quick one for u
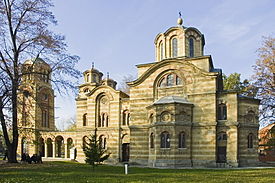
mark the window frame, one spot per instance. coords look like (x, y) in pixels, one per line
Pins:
(161, 51)
(170, 80)
(84, 119)
(250, 141)
(165, 140)
(191, 47)
(174, 45)
(152, 140)
(222, 111)
(182, 140)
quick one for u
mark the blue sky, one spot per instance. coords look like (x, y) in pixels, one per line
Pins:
(119, 34)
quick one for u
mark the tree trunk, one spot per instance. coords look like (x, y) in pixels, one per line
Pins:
(12, 153)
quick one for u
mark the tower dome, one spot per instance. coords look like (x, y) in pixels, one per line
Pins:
(36, 70)
(109, 82)
(179, 41)
(92, 76)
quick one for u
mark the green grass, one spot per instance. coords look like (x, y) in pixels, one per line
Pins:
(75, 172)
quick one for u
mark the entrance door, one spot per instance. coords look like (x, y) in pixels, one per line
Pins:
(125, 151)
(221, 155)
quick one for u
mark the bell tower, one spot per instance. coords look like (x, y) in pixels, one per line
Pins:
(35, 103)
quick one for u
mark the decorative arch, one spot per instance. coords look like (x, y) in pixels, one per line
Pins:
(170, 79)
(49, 147)
(159, 65)
(102, 110)
(60, 146)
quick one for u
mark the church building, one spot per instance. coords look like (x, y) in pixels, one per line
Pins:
(177, 113)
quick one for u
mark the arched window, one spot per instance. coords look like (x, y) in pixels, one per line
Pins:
(102, 111)
(86, 90)
(191, 47)
(152, 143)
(102, 142)
(125, 117)
(178, 80)
(84, 119)
(174, 47)
(222, 112)
(94, 78)
(45, 118)
(151, 118)
(164, 140)
(169, 80)
(104, 122)
(88, 78)
(107, 120)
(102, 119)
(250, 140)
(161, 51)
(99, 120)
(182, 140)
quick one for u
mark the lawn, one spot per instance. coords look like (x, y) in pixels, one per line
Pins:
(75, 172)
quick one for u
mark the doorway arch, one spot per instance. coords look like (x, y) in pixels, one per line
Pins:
(60, 147)
(49, 147)
(221, 147)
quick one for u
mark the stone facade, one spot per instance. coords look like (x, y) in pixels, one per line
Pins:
(176, 115)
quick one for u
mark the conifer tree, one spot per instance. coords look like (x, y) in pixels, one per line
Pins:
(94, 151)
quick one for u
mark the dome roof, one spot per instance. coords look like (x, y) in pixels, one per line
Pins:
(35, 60)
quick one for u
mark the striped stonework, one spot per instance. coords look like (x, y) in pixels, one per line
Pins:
(175, 115)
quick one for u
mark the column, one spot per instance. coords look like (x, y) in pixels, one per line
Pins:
(66, 150)
(53, 143)
(46, 149)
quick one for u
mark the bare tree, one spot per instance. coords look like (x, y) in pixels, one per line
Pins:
(123, 84)
(264, 80)
(24, 34)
